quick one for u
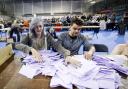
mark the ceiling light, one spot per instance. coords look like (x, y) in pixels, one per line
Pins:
(93, 2)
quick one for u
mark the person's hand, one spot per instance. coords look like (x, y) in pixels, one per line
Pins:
(36, 55)
(88, 55)
(72, 60)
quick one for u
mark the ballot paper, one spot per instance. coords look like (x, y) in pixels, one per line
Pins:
(106, 84)
(28, 71)
(91, 84)
(117, 81)
(93, 74)
(86, 67)
(110, 64)
(56, 81)
(108, 81)
(86, 81)
(118, 59)
(70, 74)
(46, 67)
(48, 71)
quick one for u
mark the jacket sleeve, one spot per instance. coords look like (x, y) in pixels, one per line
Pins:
(24, 45)
(86, 44)
(56, 45)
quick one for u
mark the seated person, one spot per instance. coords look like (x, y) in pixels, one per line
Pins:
(38, 39)
(73, 40)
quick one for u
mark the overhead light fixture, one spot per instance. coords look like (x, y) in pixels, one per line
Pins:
(93, 2)
(89, 0)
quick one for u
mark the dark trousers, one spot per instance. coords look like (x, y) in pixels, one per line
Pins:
(16, 31)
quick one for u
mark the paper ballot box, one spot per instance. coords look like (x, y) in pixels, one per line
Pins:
(5, 53)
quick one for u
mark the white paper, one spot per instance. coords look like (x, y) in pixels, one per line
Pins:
(56, 81)
(28, 71)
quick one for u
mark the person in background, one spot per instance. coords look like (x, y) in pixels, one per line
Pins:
(73, 40)
(38, 39)
(121, 49)
(15, 28)
(120, 54)
(1, 25)
(26, 24)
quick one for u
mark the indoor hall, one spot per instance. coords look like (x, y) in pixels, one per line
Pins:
(63, 44)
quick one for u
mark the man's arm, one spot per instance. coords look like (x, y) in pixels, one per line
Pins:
(58, 46)
(91, 49)
(23, 46)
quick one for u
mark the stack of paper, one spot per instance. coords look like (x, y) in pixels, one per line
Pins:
(95, 74)
(28, 71)
(46, 67)
(110, 64)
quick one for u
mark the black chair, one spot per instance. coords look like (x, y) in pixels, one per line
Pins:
(98, 47)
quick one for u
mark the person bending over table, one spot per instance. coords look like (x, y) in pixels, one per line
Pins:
(73, 40)
(38, 39)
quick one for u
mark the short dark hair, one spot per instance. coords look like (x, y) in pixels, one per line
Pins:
(77, 21)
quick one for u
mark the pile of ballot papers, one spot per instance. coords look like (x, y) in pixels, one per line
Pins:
(94, 74)
(110, 63)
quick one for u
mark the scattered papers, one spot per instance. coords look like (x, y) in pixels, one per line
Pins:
(28, 71)
(95, 74)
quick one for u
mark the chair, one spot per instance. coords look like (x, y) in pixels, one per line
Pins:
(98, 47)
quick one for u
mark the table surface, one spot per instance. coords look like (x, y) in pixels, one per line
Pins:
(11, 79)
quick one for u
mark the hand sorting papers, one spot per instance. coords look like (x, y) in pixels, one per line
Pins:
(89, 75)
(32, 68)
